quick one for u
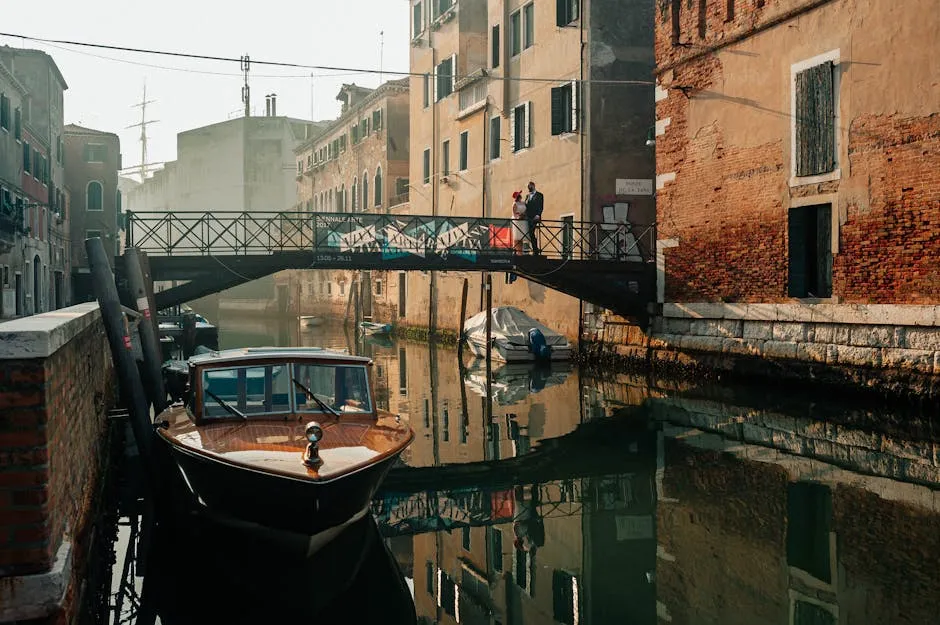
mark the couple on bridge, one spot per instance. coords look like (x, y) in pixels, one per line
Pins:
(526, 215)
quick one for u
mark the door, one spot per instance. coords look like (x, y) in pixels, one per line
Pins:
(402, 286)
(18, 283)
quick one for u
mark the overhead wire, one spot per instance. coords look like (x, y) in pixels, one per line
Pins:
(328, 68)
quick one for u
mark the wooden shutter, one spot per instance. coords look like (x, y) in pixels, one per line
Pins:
(561, 12)
(558, 110)
(575, 102)
(815, 120)
(796, 244)
(824, 251)
(527, 131)
(512, 129)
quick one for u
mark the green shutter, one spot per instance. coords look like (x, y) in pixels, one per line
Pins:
(824, 251)
(797, 253)
(558, 110)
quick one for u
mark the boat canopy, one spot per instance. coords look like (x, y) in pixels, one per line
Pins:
(512, 325)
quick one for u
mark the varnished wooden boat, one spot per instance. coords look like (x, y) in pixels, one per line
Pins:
(303, 454)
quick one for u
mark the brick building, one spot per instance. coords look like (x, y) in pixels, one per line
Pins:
(94, 160)
(34, 257)
(359, 163)
(508, 91)
(798, 166)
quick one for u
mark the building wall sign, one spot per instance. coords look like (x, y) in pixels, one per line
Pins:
(634, 186)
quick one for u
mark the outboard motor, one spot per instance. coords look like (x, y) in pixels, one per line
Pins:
(538, 346)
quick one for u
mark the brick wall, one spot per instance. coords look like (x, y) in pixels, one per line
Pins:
(52, 422)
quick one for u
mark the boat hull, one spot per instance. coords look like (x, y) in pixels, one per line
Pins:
(515, 353)
(276, 502)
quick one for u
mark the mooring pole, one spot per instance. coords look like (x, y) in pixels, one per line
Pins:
(463, 315)
(153, 355)
(125, 365)
(489, 347)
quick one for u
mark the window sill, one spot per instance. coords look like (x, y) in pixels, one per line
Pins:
(800, 181)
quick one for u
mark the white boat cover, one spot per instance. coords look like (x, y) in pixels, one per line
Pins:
(511, 325)
(515, 382)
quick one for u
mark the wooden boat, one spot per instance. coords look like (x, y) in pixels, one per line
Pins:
(369, 327)
(303, 453)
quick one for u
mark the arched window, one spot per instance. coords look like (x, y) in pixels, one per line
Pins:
(378, 186)
(354, 185)
(332, 201)
(94, 196)
(342, 199)
(365, 190)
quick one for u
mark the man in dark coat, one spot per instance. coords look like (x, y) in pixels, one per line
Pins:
(533, 213)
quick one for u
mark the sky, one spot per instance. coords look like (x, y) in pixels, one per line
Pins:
(104, 85)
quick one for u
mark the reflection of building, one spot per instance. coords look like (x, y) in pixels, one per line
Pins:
(484, 123)
(94, 160)
(34, 246)
(358, 164)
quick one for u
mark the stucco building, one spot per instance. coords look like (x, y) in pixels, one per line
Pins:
(509, 91)
(798, 172)
(34, 246)
(94, 160)
(358, 164)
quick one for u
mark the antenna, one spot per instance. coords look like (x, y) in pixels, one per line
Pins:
(144, 165)
(246, 90)
(381, 53)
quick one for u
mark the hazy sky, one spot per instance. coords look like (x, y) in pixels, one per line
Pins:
(105, 84)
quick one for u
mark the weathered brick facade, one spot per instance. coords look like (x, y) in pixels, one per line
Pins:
(725, 147)
(52, 420)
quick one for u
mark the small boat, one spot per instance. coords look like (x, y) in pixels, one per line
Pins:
(310, 321)
(513, 383)
(516, 337)
(369, 327)
(280, 440)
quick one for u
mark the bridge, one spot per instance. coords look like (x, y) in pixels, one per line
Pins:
(607, 264)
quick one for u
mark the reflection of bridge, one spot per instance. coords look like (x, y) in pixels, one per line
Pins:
(606, 264)
(415, 500)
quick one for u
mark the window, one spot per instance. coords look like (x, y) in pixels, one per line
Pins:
(355, 184)
(565, 111)
(730, 11)
(378, 186)
(565, 598)
(94, 196)
(445, 422)
(4, 112)
(378, 287)
(445, 78)
(364, 193)
(515, 33)
(521, 130)
(676, 24)
(417, 24)
(494, 43)
(810, 251)
(27, 157)
(426, 176)
(377, 120)
(402, 368)
(93, 234)
(815, 120)
(95, 153)
(427, 90)
(566, 11)
(37, 165)
(59, 149)
(445, 158)
(464, 150)
(18, 125)
(528, 14)
(494, 138)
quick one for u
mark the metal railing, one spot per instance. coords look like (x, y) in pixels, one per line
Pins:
(258, 233)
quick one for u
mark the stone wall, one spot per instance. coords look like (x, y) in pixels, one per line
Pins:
(56, 387)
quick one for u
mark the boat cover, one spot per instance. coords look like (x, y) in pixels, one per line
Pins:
(512, 325)
(515, 382)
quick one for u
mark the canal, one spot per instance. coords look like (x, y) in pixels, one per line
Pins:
(559, 495)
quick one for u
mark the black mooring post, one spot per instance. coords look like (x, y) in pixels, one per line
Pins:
(489, 347)
(153, 355)
(125, 365)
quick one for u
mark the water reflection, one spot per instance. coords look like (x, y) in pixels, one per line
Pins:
(568, 497)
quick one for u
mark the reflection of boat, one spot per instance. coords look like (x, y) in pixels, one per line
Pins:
(283, 440)
(309, 321)
(516, 337)
(514, 382)
(369, 327)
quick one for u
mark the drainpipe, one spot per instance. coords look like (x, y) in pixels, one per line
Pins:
(484, 190)
(584, 88)
(432, 288)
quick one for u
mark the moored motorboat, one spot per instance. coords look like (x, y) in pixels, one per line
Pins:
(370, 327)
(281, 439)
(310, 321)
(515, 336)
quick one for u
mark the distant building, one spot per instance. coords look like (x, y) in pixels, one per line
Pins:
(504, 92)
(34, 244)
(359, 163)
(93, 161)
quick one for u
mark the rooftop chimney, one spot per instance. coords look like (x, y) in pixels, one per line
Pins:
(267, 105)
(273, 105)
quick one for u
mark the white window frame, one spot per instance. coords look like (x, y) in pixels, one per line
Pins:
(88, 186)
(796, 68)
(526, 109)
(525, 26)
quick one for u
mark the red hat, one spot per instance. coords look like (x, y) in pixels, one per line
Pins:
(516, 195)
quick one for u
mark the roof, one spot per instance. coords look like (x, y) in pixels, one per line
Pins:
(37, 53)
(241, 354)
(74, 129)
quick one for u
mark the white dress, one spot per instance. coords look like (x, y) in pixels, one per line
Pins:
(520, 226)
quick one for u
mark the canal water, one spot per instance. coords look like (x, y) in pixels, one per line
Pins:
(559, 495)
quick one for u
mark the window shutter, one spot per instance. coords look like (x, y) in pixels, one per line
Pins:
(558, 110)
(824, 251)
(825, 117)
(575, 101)
(512, 130)
(434, 82)
(453, 73)
(528, 125)
(796, 245)
(561, 11)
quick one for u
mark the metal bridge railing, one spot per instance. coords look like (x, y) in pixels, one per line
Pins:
(263, 233)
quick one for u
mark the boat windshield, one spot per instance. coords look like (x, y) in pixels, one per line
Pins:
(284, 388)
